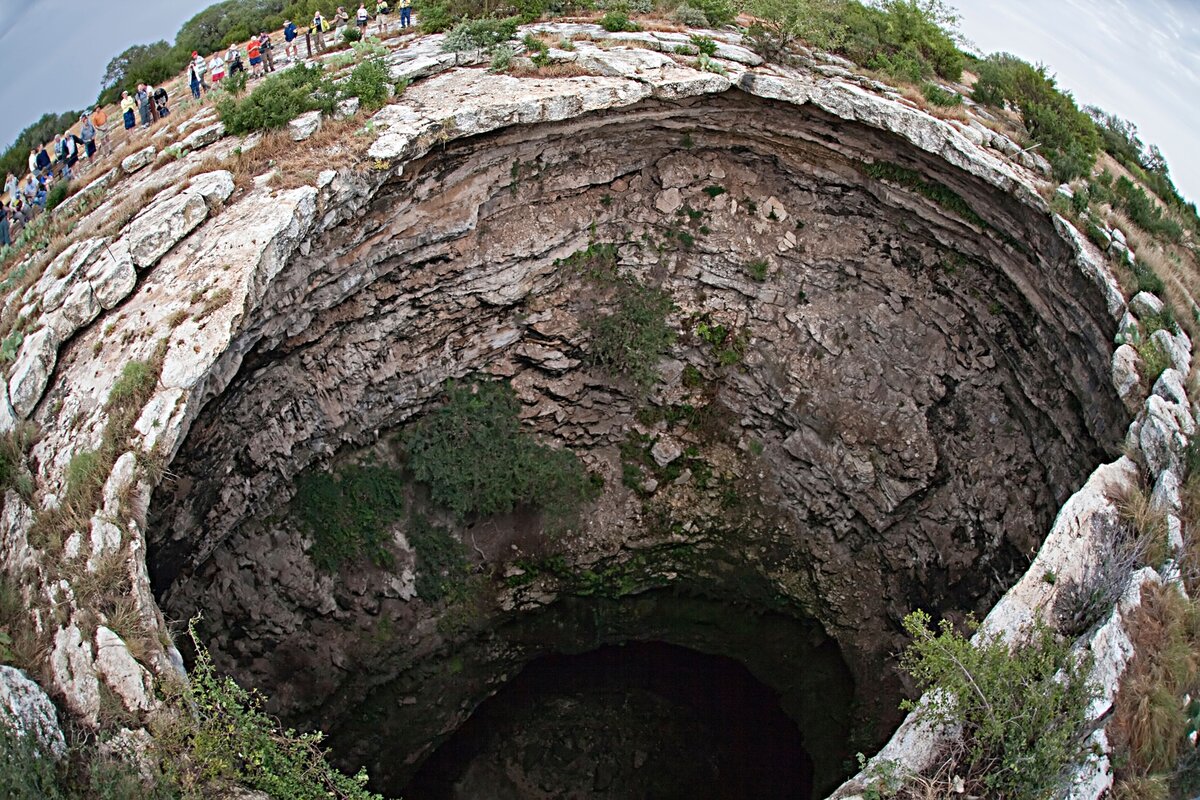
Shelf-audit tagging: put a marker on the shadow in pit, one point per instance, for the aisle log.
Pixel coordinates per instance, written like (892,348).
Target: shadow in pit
(639,720)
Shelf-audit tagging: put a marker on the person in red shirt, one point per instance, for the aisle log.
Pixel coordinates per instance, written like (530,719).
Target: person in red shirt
(254,51)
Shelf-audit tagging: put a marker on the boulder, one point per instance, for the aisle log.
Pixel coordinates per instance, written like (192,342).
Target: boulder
(1125,376)
(142,158)
(214,187)
(157,229)
(112,275)
(346,108)
(203,137)
(35,362)
(1145,305)
(304,126)
(121,671)
(28,711)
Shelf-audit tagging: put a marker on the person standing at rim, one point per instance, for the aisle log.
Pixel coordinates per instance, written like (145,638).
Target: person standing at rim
(5,239)
(268,51)
(194,81)
(201,67)
(160,102)
(127,109)
(290,50)
(143,104)
(405,14)
(340,20)
(33,158)
(99,120)
(87,135)
(318,31)
(361,18)
(254,52)
(381,13)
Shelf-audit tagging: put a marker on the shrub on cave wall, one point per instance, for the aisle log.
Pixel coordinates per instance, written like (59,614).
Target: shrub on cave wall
(477,460)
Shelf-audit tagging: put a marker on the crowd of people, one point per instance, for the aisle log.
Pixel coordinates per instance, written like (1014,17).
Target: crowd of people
(23,199)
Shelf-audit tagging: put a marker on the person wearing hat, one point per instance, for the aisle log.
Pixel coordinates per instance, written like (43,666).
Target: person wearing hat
(291,49)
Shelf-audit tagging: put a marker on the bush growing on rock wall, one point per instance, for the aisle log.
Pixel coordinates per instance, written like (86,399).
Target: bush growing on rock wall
(1022,708)
(1066,135)
(369,83)
(618,21)
(631,340)
(477,460)
(441,563)
(348,514)
(278,100)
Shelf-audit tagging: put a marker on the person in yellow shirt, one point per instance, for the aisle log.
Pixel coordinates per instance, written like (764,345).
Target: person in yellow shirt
(405,13)
(128,104)
(382,9)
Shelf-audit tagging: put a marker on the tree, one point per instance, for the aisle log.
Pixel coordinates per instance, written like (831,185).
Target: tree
(142,63)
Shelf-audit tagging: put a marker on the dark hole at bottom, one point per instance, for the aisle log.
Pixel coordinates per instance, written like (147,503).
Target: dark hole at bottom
(641,720)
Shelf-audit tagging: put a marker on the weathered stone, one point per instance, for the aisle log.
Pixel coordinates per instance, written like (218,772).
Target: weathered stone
(139,160)
(214,187)
(164,223)
(346,108)
(304,126)
(112,275)
(28,712)
(35,362)
(203,137)
(1177,347)
(71,665)
(1145,305)
(121,671)
(1126,376)
(666,450)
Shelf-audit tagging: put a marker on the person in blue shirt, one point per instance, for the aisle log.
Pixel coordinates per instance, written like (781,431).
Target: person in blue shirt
(292,51)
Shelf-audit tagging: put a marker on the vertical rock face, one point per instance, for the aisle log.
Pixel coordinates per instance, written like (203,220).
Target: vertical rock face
(901,395)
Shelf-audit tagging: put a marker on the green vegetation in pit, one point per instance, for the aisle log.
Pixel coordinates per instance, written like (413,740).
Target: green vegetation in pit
(727,346)
(442,566)
(348,513)
(911,179)
(631,340)
(477,460)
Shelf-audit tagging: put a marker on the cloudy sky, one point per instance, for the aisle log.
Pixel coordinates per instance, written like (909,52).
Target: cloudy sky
(1137,58)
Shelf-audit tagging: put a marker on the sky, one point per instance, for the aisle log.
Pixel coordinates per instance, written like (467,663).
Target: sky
(1139,59)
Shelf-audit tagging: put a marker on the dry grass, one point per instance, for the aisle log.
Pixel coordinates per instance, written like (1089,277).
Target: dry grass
(566,69)
(299,163)
(1148,725)
(1147,527)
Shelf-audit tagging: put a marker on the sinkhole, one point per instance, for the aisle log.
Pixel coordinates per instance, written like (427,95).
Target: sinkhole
(883,377)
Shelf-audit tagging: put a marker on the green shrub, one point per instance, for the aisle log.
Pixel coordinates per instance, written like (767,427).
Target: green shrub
(351,34)
(690,16)
(717,13)
(278,100)
(235,84)
(477,460)
(632,340)
(1022,708)
(618,21)
(757,270)
(479,34)
(57,194)
(231,738)
(501,59)
(85,475)
(1066,135)
(369,82)
(348,514)
(441,561)
(705,45)
(940,97)
(26,773)
(1144,212)
(1148,280)
(1154,360)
